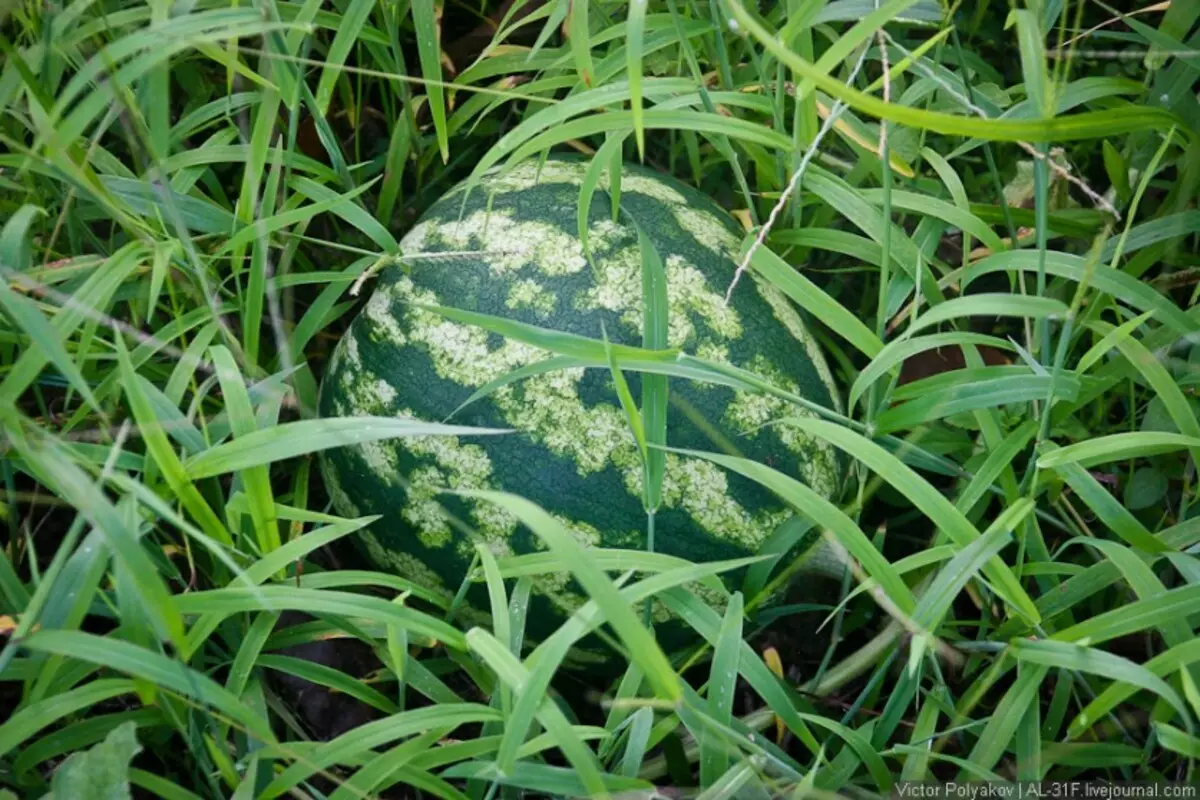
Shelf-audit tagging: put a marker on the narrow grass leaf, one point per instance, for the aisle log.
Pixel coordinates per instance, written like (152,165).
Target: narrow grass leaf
(642,646)
(1065,655)
(777,272)
(634,40)
(360,741)
(925,497)
(148,665)
(350,23)
(291,439)
(722,682)
(26,721)
(235,600)
(1117,447)
(514,674)
(429,51)
(898,351)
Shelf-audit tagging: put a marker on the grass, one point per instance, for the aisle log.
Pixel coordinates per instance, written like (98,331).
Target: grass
(196,197)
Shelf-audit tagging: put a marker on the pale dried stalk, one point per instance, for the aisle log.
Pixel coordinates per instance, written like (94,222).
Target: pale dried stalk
(834,113)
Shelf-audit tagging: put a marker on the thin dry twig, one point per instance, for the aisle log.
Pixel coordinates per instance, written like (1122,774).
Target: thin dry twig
(834,113)
(1057,169)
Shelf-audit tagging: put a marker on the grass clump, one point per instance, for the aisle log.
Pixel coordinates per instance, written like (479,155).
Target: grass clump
(989,213)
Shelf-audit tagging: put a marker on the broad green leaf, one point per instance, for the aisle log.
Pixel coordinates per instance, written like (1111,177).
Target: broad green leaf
(100,772)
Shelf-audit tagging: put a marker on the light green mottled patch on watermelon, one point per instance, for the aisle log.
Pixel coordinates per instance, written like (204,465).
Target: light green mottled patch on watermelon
(530,294)
(527,174)
(587,535)
(648,186)
(405,564)
(460,467)
(708,231)
(382,460)
(385,323)
(423,509)
(549,409)
(716,352)
(619,289)
(459,352)
(511,244)
(716,600)
(701,488)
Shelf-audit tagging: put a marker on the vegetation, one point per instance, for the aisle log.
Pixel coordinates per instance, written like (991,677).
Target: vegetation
(989,214)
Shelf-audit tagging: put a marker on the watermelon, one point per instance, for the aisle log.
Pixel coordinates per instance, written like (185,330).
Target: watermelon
(509,247)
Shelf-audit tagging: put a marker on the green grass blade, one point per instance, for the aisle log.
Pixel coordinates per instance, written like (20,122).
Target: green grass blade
(812,299)
(642,646)
(429,50)
(635,31)
(826,515)
(931,502)
(141,663)
(351,22)
(291,439)
(722,681)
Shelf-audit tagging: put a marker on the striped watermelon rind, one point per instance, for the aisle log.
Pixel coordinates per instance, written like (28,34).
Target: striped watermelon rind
(509,247)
